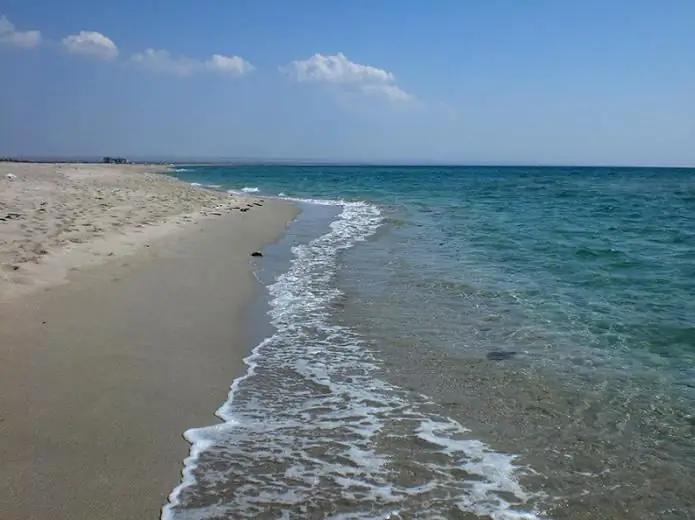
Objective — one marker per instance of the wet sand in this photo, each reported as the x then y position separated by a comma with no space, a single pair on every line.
100,376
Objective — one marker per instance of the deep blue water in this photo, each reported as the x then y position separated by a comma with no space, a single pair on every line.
549,310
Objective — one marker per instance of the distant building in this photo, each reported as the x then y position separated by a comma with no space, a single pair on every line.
115,160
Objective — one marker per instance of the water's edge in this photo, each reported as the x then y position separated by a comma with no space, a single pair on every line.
276,259
334,423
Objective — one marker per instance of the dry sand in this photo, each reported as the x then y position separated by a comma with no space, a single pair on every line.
100,376
59,217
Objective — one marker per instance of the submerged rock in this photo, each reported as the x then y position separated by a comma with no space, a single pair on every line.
500,355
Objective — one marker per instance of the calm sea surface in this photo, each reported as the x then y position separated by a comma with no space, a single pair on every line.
463,342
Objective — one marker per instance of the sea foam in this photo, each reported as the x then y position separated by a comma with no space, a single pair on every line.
312,431
244,191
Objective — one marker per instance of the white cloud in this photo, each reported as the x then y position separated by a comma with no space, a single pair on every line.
10,36
164,62
389,91
91,43
229,64
338,69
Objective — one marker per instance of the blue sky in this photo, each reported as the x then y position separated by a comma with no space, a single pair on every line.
495,81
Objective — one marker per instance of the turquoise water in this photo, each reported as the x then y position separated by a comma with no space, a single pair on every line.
605,253
551,311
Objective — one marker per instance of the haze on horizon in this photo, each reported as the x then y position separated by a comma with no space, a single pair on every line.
499,82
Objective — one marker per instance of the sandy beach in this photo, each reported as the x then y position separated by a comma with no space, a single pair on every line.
122,299
57,218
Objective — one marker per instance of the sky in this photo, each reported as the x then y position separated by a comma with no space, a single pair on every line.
608,82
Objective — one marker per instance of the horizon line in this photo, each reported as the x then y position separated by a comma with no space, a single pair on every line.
230,161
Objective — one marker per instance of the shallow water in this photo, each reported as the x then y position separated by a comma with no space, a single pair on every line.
466,341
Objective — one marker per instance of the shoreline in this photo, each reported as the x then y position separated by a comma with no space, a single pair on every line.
101,376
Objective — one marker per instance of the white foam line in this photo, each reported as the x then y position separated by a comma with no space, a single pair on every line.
294,306
199,438
323,202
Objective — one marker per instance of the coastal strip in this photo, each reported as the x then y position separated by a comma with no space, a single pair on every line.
100,376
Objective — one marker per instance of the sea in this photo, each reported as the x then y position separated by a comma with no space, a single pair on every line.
461,343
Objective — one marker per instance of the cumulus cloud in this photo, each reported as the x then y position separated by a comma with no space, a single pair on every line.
92,44
338,69
164,62
229,64
9,35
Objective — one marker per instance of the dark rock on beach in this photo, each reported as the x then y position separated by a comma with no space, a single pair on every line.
257,254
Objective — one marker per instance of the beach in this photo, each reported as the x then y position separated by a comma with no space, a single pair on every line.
511,343
123,299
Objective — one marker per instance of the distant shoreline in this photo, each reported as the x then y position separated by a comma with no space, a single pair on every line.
319,162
